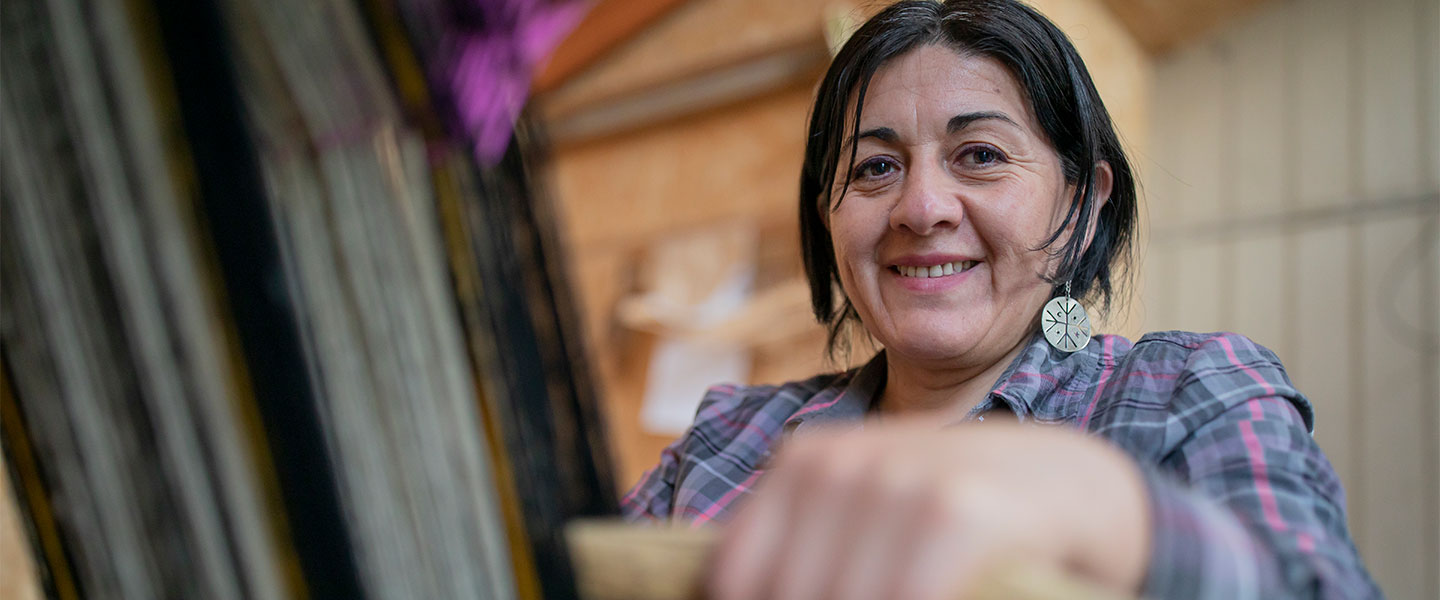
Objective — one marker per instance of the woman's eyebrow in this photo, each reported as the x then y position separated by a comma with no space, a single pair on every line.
959,122
884,134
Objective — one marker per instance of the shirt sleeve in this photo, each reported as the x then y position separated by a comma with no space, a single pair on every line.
1247,506
652,498
722,443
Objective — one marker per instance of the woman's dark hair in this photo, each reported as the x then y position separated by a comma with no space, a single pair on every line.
1061,95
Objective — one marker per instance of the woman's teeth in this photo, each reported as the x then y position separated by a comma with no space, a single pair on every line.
935,270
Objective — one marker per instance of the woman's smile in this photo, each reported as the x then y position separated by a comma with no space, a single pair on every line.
931,273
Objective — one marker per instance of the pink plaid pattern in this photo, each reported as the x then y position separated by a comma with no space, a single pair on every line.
1245,504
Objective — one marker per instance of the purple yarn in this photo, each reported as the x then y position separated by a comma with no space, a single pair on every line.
487,71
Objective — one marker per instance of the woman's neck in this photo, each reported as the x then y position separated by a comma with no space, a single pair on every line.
946,394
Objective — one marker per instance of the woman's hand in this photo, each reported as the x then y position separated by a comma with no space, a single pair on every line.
908,511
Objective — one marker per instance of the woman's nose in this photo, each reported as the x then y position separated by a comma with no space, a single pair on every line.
927,203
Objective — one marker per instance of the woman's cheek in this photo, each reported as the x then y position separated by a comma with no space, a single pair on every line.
850,252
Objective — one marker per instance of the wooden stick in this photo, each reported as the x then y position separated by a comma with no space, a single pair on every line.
618,561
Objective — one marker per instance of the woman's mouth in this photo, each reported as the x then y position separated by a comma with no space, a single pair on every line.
940,270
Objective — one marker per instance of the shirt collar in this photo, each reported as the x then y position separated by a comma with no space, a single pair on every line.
1039,372
844,404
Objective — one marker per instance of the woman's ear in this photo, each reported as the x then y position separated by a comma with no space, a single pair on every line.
1101,185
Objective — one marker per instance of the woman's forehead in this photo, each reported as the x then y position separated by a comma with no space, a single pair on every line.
925,87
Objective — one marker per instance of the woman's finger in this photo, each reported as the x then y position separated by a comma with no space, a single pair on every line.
823,508
960,529
939,563
748,547
881,541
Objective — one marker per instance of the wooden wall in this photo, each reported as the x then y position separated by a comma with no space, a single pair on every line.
740,163
1294,191
624,192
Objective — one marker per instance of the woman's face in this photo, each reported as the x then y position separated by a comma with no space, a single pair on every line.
952,188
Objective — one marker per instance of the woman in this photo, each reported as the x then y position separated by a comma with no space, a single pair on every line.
962,183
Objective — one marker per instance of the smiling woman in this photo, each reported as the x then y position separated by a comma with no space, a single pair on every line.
951,169
960,171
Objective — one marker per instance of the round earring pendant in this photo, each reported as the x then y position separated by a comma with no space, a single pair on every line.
1065,324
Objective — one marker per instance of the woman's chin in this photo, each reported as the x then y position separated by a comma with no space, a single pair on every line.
933,344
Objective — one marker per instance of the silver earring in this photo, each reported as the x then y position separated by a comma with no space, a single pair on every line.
1065,323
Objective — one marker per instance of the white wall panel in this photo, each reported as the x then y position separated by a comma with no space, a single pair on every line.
1392,500
1199,289
1158,181
1256,125
1428,26
1325,137
1328,121
1321,362
1195,117
1390,144
1158,298
1433,298
1259,309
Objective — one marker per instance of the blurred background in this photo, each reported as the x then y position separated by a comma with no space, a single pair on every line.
1289,152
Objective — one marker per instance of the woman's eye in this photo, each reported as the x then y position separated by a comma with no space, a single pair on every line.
982,156
874,169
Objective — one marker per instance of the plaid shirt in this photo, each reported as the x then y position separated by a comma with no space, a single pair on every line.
1244,504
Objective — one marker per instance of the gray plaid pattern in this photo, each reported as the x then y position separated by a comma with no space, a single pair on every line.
1244,503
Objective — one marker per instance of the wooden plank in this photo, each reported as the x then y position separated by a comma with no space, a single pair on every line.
1122,70
1157,299
1200,290
1257,126
623,561
1196,115
1390,140
1432,297
795,358
774,69
740,162
1429,75
1164,26
636,449
1160,189
608,24
1259,304
698,37
1395,484
1319,363
1325,140
1126,316
602,275
1428,79
1431,324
